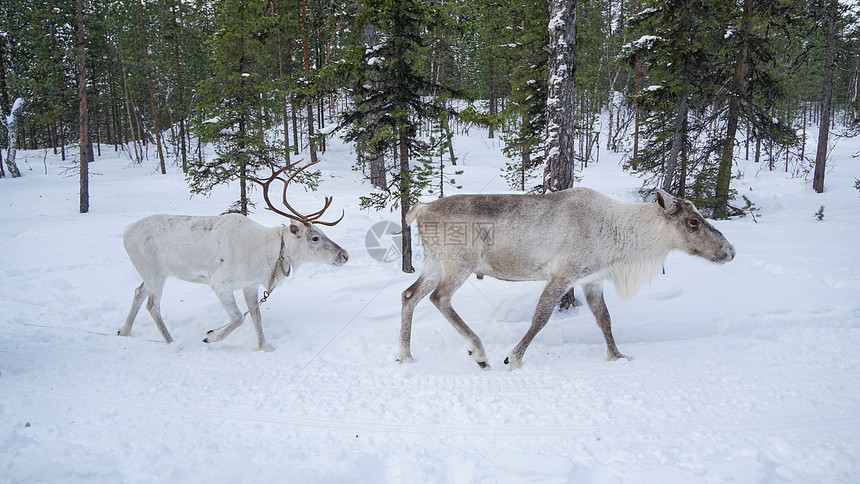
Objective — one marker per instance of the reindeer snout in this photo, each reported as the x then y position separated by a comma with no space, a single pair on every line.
726,255
341,258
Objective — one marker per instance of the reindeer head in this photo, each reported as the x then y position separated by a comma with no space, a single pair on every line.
695,235
319,248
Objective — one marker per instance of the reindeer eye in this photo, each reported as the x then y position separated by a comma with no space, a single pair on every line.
315,238
694,223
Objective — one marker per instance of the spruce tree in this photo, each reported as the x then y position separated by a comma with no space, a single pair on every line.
388,114
233,104
525,111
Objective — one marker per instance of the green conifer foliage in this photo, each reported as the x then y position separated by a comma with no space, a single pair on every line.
235,106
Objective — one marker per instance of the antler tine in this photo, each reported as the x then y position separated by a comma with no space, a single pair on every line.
270,206
314,217
318,213
305,219
329,224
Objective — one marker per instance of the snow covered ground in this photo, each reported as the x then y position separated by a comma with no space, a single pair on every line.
747,372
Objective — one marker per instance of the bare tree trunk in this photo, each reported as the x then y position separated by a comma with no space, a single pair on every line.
182,146
802,137
294,117
677,140
492,73
636,102
406,230
83,117
4,101
376,157
12,137
561,104
134,132
558,173
824,131
854,89
610,139
724,174
284,101
306,54
152,94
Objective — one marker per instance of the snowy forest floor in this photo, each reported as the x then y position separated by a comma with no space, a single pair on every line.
744,373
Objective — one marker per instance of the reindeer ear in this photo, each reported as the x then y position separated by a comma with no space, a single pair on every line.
666,201
294,229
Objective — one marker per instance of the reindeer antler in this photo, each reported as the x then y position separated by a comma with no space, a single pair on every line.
295,215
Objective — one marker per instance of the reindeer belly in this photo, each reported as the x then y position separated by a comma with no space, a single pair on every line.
509,267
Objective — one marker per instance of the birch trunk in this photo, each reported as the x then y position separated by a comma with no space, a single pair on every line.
12,137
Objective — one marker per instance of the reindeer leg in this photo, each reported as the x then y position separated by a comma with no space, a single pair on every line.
139,295
441,297
153,304
229,303
410,298
253,304
549,299
594,297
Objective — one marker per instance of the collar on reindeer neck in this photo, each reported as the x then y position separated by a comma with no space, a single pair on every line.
282,265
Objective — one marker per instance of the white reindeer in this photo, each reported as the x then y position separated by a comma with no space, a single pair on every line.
571,237
227,252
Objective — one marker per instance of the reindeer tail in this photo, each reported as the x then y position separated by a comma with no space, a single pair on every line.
413,212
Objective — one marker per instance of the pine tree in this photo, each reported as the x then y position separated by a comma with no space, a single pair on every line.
733,115
387,116
233,105
526,109
711,67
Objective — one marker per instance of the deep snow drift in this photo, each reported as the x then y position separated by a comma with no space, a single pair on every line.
746,372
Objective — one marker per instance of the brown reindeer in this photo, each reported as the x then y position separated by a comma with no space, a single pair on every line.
571,237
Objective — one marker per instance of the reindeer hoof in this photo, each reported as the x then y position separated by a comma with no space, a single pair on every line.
480,357
210,338
513,364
